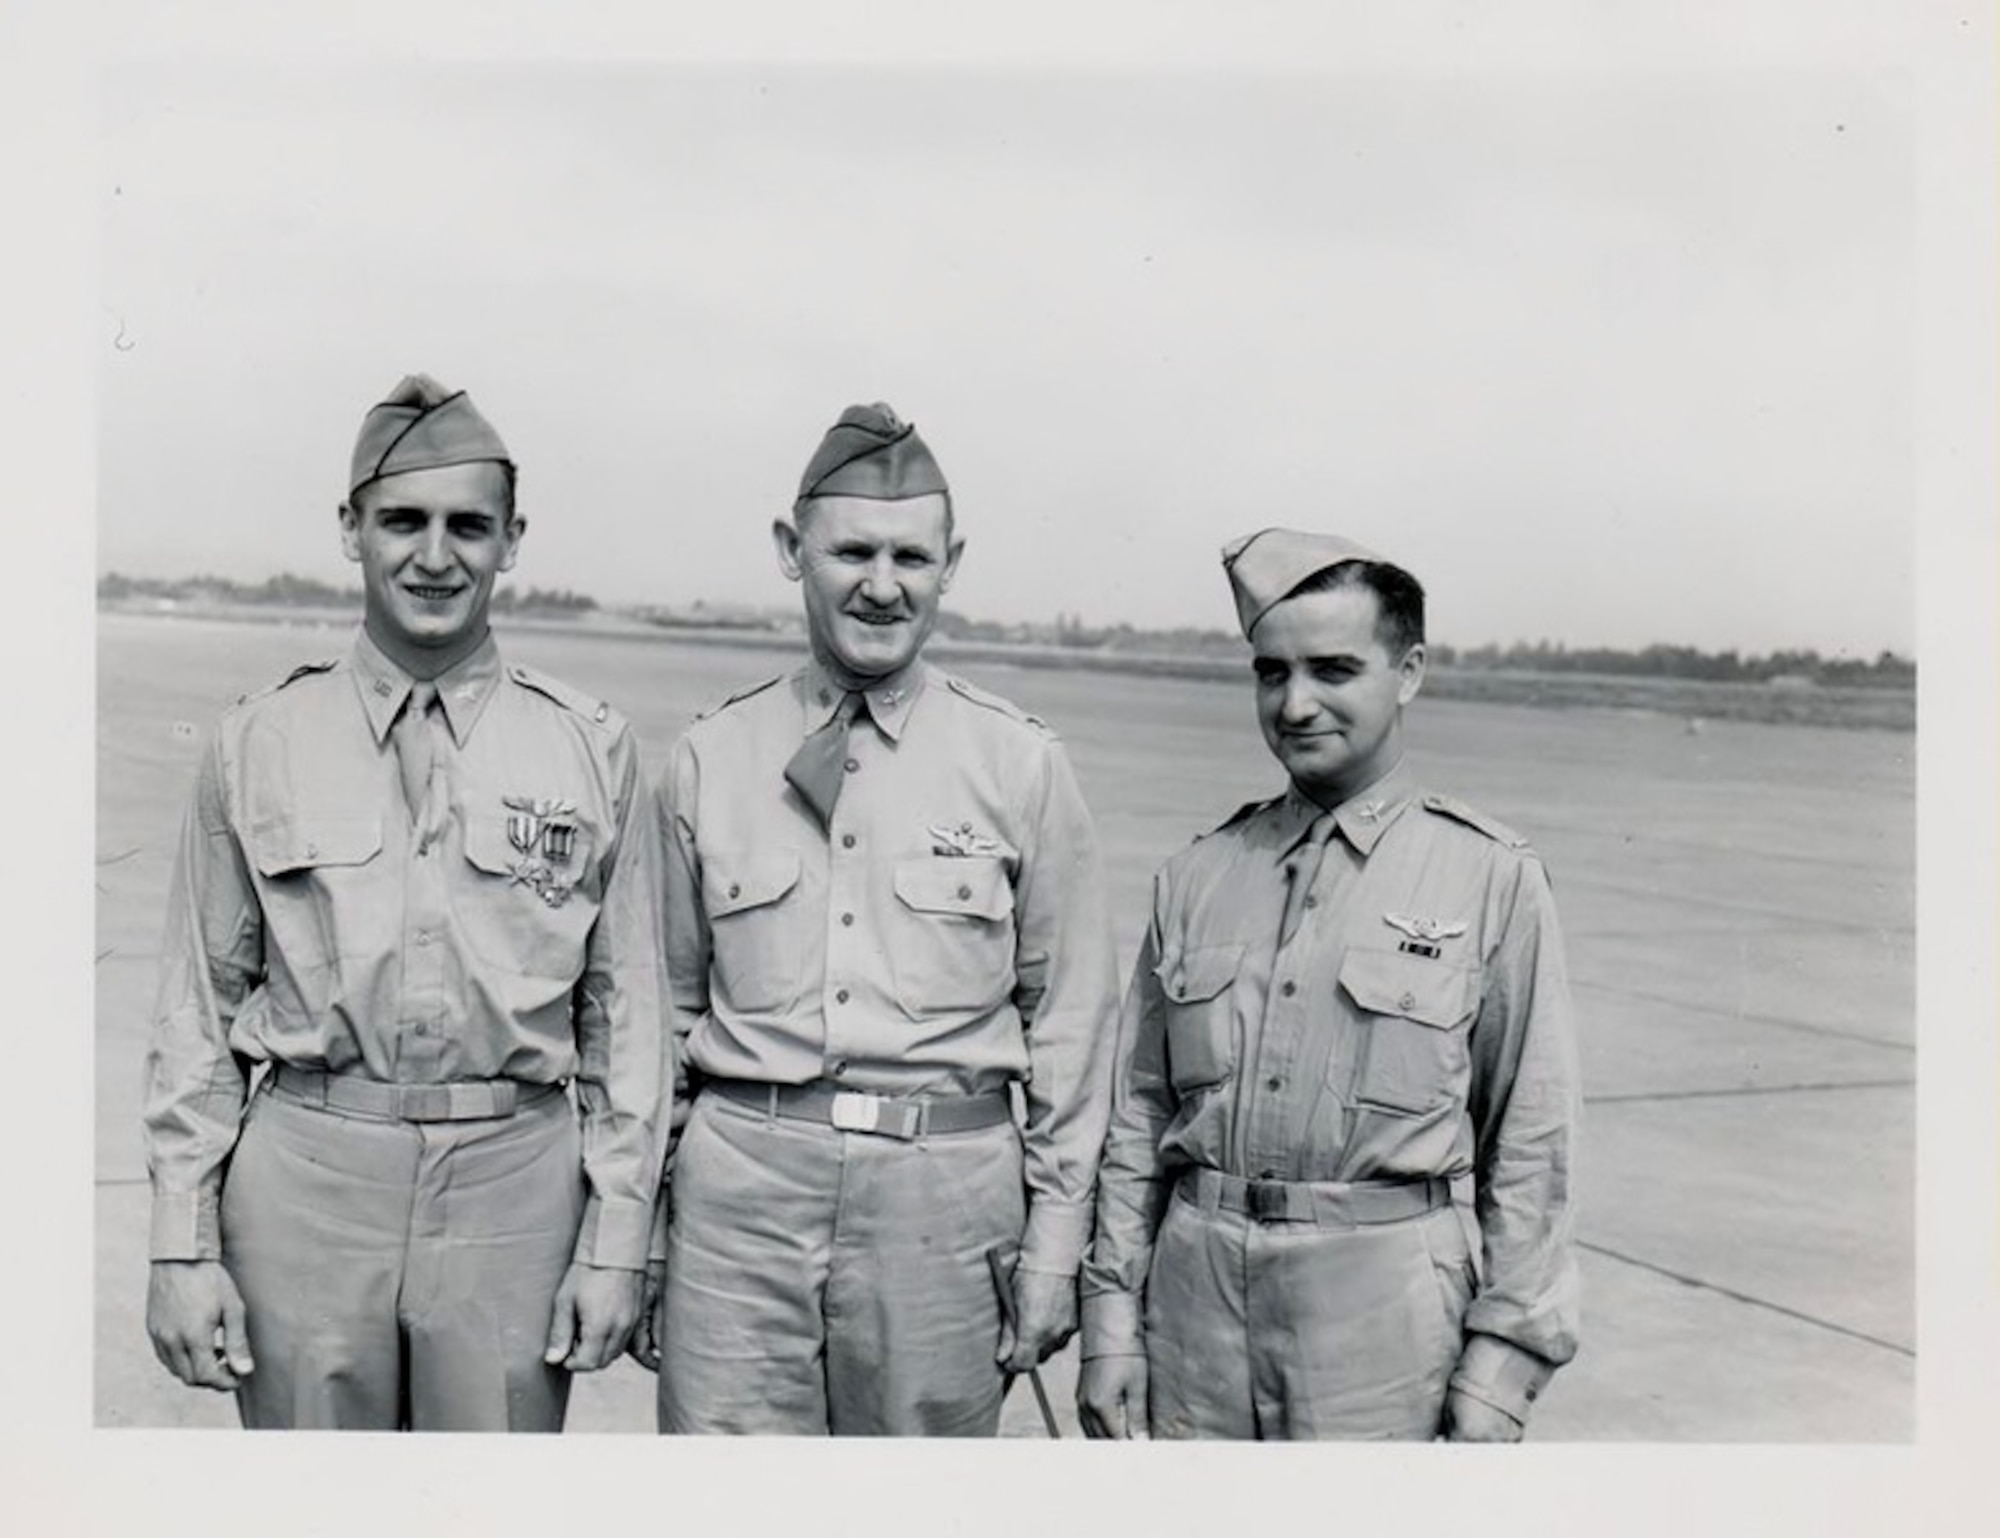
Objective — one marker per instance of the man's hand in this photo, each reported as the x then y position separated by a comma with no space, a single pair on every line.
1473,1420
647,1335
595,1309
195,1315
1044,1317
1111,1397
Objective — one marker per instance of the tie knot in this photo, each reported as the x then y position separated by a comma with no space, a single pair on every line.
1322,829
423,696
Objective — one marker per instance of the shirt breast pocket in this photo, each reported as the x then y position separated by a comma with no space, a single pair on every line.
1198,986
319,897
953,942
1416,1021
753,930
530,911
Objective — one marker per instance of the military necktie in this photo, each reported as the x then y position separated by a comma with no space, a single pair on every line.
416,746
1303,869
819,768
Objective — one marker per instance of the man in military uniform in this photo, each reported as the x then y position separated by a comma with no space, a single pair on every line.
420,888
883,913
1349,997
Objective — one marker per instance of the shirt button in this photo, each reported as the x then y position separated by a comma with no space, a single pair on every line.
851,765
1289,988
840,997
311,850
847,919
840,1070
423,937
964,893
1311,901
847,841
735,890
1274,1082
1407,1001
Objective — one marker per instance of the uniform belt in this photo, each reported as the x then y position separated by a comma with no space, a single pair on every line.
1329,1203
457,1100
905,1117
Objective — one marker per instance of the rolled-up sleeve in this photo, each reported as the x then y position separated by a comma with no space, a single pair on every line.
1066,990
1132,1183
1525,1105
624,1063
212,958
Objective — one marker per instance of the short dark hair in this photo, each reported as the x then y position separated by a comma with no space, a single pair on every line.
1398,596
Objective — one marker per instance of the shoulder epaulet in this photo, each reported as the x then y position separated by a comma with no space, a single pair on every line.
739,696
303,670
1492,827
1247,809
981,697
574,700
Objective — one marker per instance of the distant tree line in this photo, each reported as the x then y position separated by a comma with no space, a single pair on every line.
294,591
1778,668
1886,670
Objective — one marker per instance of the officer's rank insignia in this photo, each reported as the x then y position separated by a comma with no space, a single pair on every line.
543,829
961,841
1422,934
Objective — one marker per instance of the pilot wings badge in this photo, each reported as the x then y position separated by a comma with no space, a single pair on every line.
1423,934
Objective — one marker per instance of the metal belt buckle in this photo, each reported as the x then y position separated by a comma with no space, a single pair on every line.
1268,1201
423,1102
856,1112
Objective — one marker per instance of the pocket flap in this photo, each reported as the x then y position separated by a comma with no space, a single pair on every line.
302,843
731,883
1200,973
972,888
1436,993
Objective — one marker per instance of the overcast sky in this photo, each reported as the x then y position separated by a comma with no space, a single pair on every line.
1605,357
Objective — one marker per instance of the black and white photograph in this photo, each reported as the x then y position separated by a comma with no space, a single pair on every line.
1122,724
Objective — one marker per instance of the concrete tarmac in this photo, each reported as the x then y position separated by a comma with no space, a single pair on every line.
1739,907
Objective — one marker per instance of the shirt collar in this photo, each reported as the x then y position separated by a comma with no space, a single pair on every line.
463,689
1361,818
890,699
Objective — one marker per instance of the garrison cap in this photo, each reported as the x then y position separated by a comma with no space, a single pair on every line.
871,452
1265,566
422,426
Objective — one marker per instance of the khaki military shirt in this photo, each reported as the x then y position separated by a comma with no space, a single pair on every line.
1416,1025
946,936
312,923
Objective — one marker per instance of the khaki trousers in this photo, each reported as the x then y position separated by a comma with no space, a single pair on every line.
401,1275
821,1281
1296,1331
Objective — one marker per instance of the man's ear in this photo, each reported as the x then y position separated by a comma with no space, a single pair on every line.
952,552
785,539
1415,663
350,531
516,527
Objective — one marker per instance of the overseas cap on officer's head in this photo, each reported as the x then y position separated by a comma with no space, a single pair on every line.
422,426
1265,566
871,452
